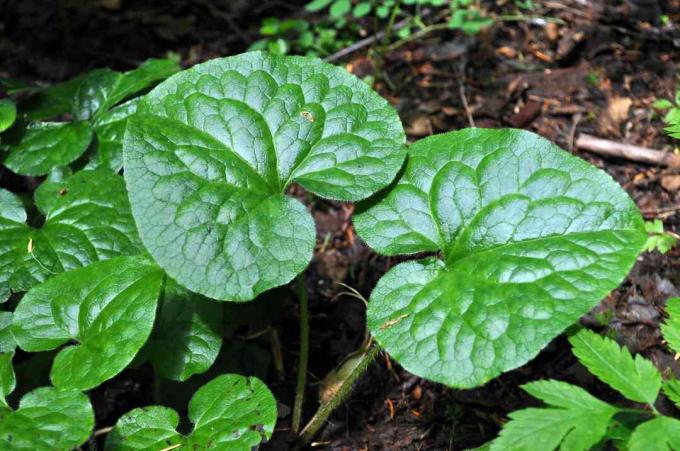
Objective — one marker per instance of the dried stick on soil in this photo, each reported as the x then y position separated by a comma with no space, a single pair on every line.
629,152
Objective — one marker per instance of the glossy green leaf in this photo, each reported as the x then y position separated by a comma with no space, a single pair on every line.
48,145
671,388
109,130
212,150
8,113
105,88
659,434
7,379
230,412
670,329
187,335
53,100
87,219
7,343
636,379
574,420
529,238
108,308
47,419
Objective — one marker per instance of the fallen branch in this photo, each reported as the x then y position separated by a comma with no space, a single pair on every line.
627,151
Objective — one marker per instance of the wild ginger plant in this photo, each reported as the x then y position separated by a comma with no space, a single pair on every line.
523,238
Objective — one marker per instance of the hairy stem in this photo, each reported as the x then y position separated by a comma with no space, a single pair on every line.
304,351
325,410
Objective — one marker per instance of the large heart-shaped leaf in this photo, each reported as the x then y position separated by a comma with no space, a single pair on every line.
211,151
530,239
48,145
87,219
47,419
187,335
230,412
108,308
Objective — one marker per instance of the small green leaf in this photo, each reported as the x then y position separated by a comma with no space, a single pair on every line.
187,335
636,379
8,113
530,239
92,96
109,129
339,8
575,420
317,5
662,104
52,101
212,150
87,219
671,388
108,308
670,329
659,434
47,419
230,412
7,379
361,9
48,145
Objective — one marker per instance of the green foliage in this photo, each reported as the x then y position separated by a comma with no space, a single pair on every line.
230,412
110,318
8,114
218,153
658,239
529,238
90,99
575,420
47,419
672,115
671,328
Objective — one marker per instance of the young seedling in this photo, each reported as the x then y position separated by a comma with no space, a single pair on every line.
93,100
526,239
578,421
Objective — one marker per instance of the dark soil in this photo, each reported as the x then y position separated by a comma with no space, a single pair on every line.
597,71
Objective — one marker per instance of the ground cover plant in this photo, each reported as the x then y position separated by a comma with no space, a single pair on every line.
166,239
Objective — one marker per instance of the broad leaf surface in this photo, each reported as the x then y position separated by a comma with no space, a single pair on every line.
659,434
107,308
109,130
7,379
8,113
574,420
45,146
7,343
53,100
230,412
671,327
87,219
211,151
530,238
47,419
636,379
187,335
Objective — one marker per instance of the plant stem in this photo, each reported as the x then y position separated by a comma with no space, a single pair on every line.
325,410
304,351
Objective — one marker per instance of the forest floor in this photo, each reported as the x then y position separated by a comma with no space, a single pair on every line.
594,68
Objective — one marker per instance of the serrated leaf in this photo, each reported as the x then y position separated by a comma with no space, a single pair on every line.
110,129
8,113
48,419
187,335
212,150
108,308
230,412
659,434
574,421
671,388
636,379
7,379
45,146
531,238
670,329
105,88
87,219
